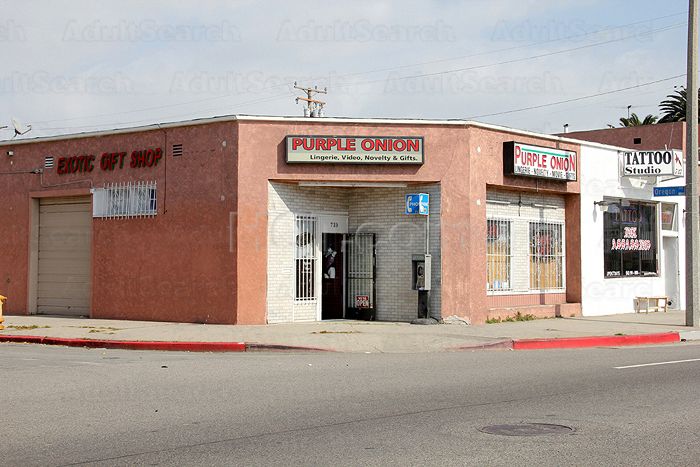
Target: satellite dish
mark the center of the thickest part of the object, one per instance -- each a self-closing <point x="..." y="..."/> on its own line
<point x="19" y="127"/>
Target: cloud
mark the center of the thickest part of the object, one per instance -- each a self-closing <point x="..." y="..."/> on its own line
<point x="80" y="66"/>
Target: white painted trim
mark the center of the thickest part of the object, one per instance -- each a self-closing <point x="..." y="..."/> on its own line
<point x="355" y="184"/>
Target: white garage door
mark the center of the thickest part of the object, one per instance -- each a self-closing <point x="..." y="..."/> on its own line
<point x="65" y="233"/>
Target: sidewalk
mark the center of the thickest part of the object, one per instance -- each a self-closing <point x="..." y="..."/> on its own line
<point x="354" y="336"/>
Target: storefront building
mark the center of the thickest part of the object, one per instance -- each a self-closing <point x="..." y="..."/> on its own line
<point x="253" y="220"/>
<point x="632" y="226"/>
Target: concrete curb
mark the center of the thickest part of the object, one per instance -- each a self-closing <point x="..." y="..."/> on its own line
<point x="254" y="346"/>
<point x="508" y="344"/>
<point x="130" y="345"/>
<point x="500" y="345"/>
<point x="595" y="341"/>
<point x="159" y="345"/>
<point x="690" y="335"/>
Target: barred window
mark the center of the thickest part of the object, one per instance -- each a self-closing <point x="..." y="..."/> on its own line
<point x="498" y="255"/>
<point x="122" y="200"/>
<point x="305" y="258"/>
<point x="546" y="256"/>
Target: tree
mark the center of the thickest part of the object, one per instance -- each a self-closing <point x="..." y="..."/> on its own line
<point x="633" y="120"/>
<point x="673" y="108"/>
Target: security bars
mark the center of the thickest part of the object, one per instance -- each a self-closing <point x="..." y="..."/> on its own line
<point x="546" y="256"/>
<point x="498" y="255"/>
<point x="360" y="271"/>
<point x="305" y="258"/>
<point x="125" y="200"/>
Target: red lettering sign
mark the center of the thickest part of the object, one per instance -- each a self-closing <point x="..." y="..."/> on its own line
<point x="109" y="161"/>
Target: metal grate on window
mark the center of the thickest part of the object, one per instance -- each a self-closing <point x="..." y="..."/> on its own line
<point x="498" y="255"/>
<point x="177" y="150"/>
<point x="48" y="162"/>
<point x="546" y="256"/>
<point x="122" y="200"/>
<point x="305" y="258"/>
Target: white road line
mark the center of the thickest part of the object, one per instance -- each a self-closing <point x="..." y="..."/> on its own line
<point x="659" y="363"/>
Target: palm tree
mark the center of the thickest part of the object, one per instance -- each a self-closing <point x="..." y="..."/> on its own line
<point x="633" y="120"/>
<point x="673" y="108"/>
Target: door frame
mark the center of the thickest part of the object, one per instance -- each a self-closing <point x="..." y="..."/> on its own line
<point x="79" y="196"/>
<point x="329" y="222"/>
<point x="672" y="239"/>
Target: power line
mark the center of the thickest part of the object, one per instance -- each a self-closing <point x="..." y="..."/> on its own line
<point x="255" y="101"/>
<point x="576" y="99"/>
<point x="144" y="109"/>
<point x="506" y="62"/>
<point x="507" y="49"/>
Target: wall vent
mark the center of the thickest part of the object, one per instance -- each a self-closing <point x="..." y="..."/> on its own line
<point x="177" y="150"/>
<point x="48" y="162"/>
<point x="637" y="140"/>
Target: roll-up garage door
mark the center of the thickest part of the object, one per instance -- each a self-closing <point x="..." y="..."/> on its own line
<point x="65" y="234"/>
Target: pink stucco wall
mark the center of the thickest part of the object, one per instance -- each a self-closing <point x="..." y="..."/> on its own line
<point x="176" y="266"/>
<point x="463" y="159"/>
<point x="203" y="258"/>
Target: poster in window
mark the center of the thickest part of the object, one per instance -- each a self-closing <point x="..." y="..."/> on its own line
<point x="629" y="234"/>
<point x="668" y="216"/>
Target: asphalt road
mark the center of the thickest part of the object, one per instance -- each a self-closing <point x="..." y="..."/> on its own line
<point x="66" y="406"/>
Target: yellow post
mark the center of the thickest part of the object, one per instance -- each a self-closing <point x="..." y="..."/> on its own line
<point x="2" y="301"/>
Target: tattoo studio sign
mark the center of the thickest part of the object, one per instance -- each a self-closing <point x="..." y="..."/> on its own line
<point x="667" y="162"/>
<point x="393" y="150"/>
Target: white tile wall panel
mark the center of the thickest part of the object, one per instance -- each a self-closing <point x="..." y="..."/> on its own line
<point x="371" y="210"/>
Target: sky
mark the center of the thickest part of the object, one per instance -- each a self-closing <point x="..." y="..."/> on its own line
<point x="74" y="66"/>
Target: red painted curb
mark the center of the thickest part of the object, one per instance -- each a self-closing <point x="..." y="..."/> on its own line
<point x="595" y="341"/>
<point x="130" y="345"/>
<point x="500" y="345"/>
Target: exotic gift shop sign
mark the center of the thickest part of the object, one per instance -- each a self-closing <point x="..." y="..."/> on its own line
<point x="109" y="161"/>
<point x="393" y="150"/>
<point x="540" y="162"/>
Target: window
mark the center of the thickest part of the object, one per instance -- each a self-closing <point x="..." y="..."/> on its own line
<point x="498" y="255"/>
<point x="525" y="245"/>
<point x="305" y="257"/>
<point x="546" y="256"/>
<point x="630" y="240"/>
<point x="668" y="216"/>
<point x="120" y="200"/>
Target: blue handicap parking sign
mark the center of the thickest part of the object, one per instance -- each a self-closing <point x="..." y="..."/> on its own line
<point x="418" y="203"/>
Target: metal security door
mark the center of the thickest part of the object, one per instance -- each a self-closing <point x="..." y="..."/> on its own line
<point x="361" y="273"/>
<point x="65" y="239"/>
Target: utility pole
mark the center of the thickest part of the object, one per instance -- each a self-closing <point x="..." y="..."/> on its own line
<point x="314" y="108"/>
<point x="692" y="227"/>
